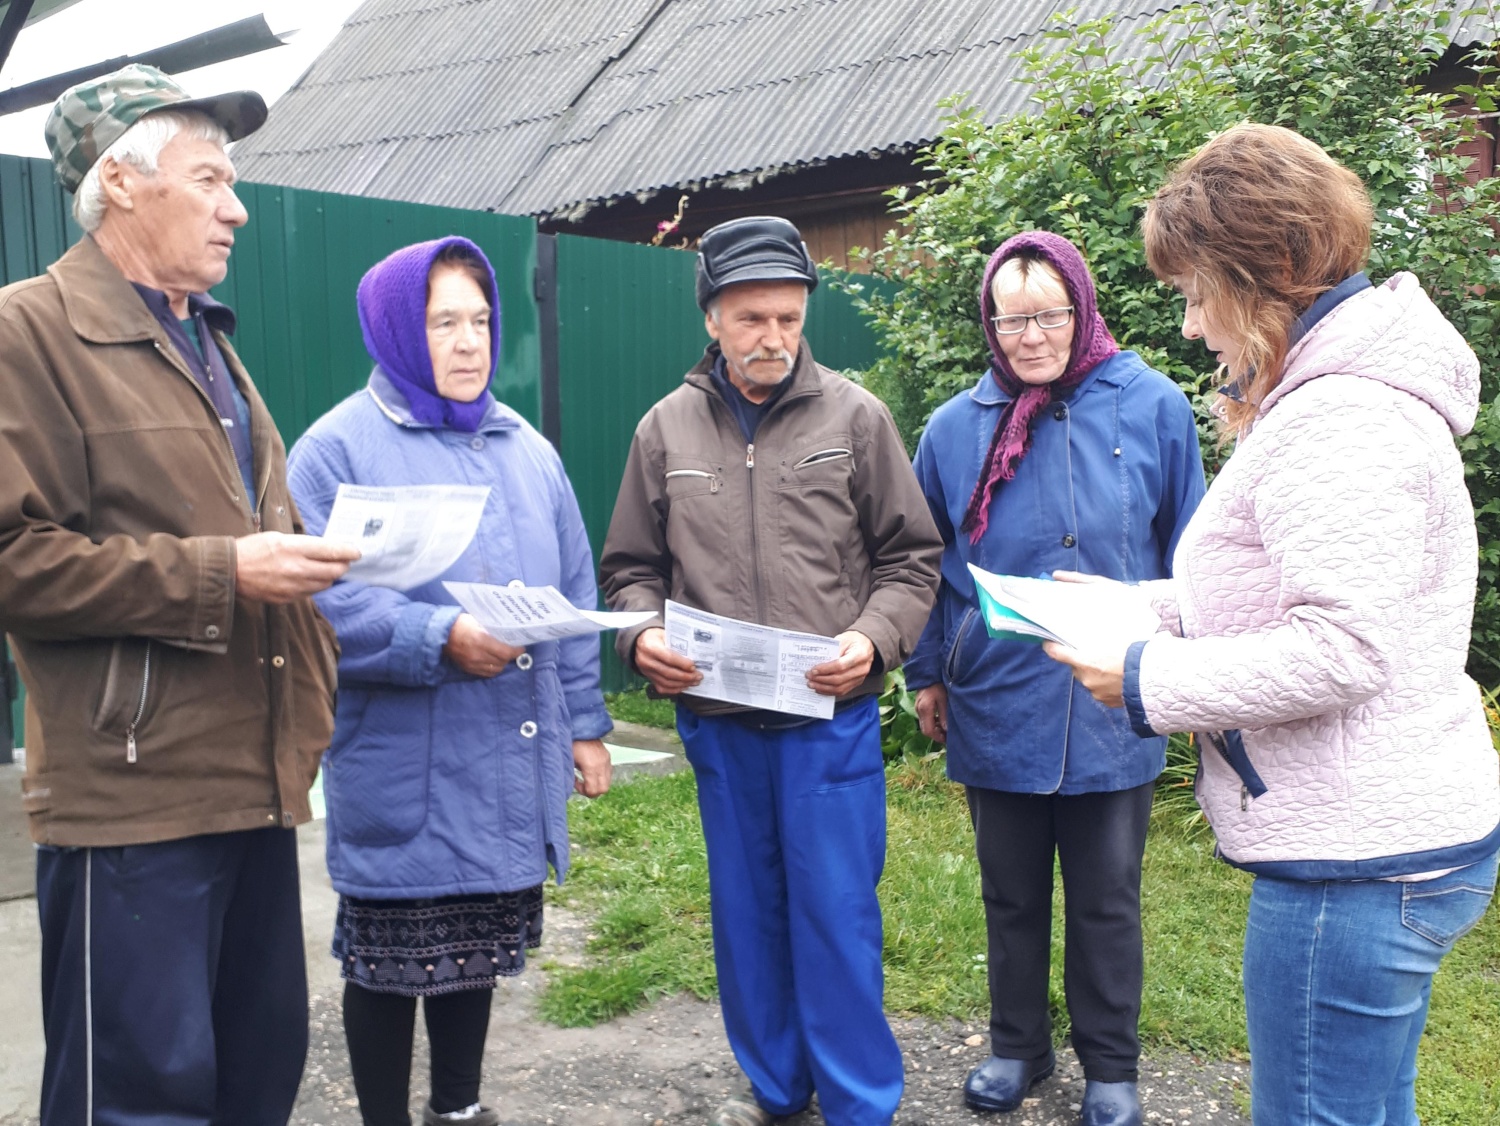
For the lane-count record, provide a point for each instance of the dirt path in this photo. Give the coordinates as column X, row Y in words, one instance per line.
column 669, row 1065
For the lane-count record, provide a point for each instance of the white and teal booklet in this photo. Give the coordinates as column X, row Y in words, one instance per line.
column 1084, row 616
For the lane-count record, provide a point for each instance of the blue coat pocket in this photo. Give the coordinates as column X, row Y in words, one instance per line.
column 377, row 778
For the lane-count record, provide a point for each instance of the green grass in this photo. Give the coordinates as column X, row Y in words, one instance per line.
column 636, row 707
column 641, row 874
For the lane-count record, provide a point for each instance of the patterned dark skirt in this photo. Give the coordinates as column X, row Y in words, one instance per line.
column 426, row 947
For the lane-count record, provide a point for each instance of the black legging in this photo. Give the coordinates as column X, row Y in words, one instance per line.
column 379, row 1029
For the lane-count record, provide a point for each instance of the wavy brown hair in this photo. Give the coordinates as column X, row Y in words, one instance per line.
column 1259, row 222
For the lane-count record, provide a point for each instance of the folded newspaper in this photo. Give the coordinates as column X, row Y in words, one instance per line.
column 1086, row 616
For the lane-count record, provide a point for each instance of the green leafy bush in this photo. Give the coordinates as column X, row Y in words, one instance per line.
column 1114, row 108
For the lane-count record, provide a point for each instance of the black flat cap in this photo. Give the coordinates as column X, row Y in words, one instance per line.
column 755, row 248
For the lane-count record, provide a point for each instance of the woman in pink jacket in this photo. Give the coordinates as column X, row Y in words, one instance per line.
column 1318, row 624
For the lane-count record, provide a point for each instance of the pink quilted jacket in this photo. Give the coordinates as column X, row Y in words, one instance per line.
column 1325, row 589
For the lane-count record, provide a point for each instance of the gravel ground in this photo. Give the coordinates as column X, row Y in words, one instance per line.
column 669, row 1065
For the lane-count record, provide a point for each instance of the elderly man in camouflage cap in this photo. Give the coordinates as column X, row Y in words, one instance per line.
column 156, row 588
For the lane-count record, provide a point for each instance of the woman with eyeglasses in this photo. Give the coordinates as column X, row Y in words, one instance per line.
column 1067, row 455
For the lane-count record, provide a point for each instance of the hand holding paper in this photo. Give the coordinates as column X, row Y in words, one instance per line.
column 1085, row 621
column 751, row 664
column 1097, row 616
column 524, row 615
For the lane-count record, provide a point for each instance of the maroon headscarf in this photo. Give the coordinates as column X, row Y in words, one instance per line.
column 1092, row 345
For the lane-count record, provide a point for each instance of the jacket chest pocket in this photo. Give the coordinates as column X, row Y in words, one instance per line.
column 691, row 477
column 823, row 464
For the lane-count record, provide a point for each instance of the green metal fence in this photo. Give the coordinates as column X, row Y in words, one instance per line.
column 588, row 344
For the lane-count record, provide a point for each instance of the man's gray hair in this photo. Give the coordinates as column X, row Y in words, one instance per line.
column 140, row 146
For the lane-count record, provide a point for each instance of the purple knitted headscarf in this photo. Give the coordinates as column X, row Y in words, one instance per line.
column 1092, row 345
column 393, row 314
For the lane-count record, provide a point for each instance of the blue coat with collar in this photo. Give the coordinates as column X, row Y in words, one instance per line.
column 437, row 782
column 1112, row 476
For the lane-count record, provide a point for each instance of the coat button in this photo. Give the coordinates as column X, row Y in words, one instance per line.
column 476, row 443
column 528, row 730
column 1060, row 411
column 516, row 583
column 523, row 662
column 277, row 661
column 1068, row 540
column 211, row 632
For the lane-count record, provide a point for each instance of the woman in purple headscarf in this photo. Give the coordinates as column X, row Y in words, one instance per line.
column 453, row 754
column 1068, row 455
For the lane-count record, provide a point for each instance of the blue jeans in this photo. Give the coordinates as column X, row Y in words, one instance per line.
column 1338, row 975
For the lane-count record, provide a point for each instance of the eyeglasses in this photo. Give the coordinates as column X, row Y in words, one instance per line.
column 1008, row 324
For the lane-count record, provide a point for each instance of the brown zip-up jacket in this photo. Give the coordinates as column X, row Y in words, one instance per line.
column 158, row 705
column 818, row 526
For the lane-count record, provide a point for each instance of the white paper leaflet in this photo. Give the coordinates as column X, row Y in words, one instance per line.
column 408, row 535
column 744, row 663
column 524, row 615
column 1086, row 616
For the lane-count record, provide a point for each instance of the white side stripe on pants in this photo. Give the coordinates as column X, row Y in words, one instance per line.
column 88, row 985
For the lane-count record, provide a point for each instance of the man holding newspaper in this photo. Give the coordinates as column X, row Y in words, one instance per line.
column 769, row 490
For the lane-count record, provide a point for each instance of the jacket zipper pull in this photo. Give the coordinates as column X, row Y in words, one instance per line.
column 140, row 708
column 713, row 484
column 750, row 456
column 1244, row 798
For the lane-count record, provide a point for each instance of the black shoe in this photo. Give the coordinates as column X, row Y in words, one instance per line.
column 483, row 1116
column 1110, row 1104
column 1000, row 1084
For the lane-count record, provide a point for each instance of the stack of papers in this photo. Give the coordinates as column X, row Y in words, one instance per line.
column 1084, row 616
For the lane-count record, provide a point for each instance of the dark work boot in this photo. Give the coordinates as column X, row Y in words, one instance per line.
column 1000, row 1084
column 1110, row 1104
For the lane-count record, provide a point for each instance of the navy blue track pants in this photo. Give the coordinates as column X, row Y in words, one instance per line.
column 174, row 985
column 794, row 822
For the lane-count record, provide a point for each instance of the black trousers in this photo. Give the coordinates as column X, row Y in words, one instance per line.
column 1098, row 840
column 379, row 1028
column 174, row 987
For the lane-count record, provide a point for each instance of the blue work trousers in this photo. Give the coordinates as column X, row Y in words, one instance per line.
column 174, row 985
column 794, row 821
column 1338, row 975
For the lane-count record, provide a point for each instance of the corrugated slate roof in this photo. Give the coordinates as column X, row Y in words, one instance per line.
column 530, row 107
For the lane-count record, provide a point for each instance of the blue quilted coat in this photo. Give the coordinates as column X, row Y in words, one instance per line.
column 437, row 782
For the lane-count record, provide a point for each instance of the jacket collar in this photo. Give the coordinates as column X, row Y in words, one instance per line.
column 1116, row 369
column 393, row 405
column 807, row 378
column 101, row 305
column 215, row 314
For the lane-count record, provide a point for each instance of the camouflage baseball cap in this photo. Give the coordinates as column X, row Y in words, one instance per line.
column 93, row 115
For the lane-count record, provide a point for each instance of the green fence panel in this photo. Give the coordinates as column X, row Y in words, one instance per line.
column 629, row 329
column 35, row 228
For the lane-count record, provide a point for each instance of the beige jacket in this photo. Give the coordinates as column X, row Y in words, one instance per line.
column 158, row 704
column 818, row 526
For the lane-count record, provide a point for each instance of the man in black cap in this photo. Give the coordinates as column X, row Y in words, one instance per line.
column 769, row 489
column 157, row 592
